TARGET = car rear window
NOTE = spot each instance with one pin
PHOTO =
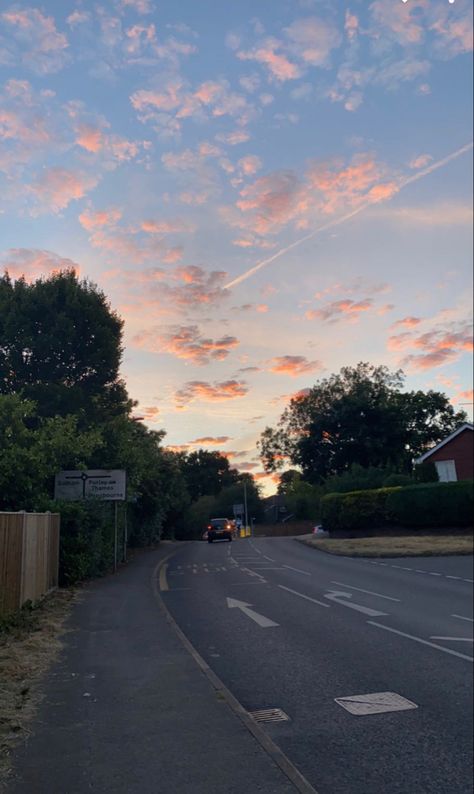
(219, 523)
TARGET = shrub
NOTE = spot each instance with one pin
(431, 505)
(394, 480)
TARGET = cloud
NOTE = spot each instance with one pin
(442, 344)
(32, 263)
(204, 391)
(77, 17)
(278, 65)
(249, 164)
(167, 226)
(56, 187)
(351, 25)
(293, 365)
(312, 39)
(211, 441)
(436, 215)
(337, 310)
(33, 40)
(245, 466)
(186, 342)
(406, 322)
(150, 413)
(233, 138)
(140, 6)
(91, 220)
(421, 161)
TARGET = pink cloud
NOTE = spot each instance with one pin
(336, 310)
(211, 441)
(421, 161)
(97, 220)
(34, 41)
(440, 345)
(90, 138)
(277, 64)
(140, 6)
(204, 391)
(351, 25)
(32, 263)
(233, 138)
(312, 39)
(401, 21)
(250, 164)
(186, 342)
(57, 187)
(293, 365)
(407, 322)
(166, 226)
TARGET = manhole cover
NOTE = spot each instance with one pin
(269, 715)
(376, 703)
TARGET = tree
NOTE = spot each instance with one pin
(61, 346)
(206, 473)
(362, 416)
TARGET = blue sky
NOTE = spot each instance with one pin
(166, 149)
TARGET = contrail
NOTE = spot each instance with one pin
(403, 183)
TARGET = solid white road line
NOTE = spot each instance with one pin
(261, 620)
(297, 570)
(336, 595)
(270, 559)
(420, 640)
(461, 617)
(452, 639)
(301, 595)
(369, 592)
(163, 580)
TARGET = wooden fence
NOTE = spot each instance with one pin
(29, 557)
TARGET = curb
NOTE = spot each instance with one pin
(278, 756)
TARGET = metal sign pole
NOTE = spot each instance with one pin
(115, 535)
(125, 532)
(245, 506)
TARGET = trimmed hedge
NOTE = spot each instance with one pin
(431, 505)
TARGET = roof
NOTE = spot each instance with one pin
(461, 429)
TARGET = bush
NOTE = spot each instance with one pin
(394, 480)
(432, 505)
(86, 541)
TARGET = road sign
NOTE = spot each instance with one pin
(102, 484)
(238, 510)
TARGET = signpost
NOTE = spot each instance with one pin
(105, 485)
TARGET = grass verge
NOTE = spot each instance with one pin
(29, 643)
(399, 546)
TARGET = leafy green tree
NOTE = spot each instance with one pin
(234, 494)
(286, 480)
(61, 346)
(34, 449)
(206, 473)
(360, 415)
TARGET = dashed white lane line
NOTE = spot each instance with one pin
(420, 640)
(270, 559)
(298, 570)
(369, 592)
(462, 617)
(421, 570)
(452, 639)
(453, 577)
(302, 595)
(434, 573)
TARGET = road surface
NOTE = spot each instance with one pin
(287, 627)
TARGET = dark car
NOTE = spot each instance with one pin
(219, 529)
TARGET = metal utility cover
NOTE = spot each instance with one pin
(269, 715)
(376, 703)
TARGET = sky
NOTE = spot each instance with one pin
(266, 192)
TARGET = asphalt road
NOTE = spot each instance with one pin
(303, 628)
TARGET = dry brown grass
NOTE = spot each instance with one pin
(29, 644)
(401, 546)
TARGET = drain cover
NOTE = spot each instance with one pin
(269, 715)
(376, 703)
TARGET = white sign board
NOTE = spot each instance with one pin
(238, 510)
(105, 485)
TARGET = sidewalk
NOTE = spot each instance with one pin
(127, 709)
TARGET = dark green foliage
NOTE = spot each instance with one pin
(87, 540)
(359, 416)
(206, 473)
(358, 478)
(60, 345)
(430, 506)
(397, 479)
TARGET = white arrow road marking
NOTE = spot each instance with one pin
(369, 592)
(452, 639)
(335, 595)
(262, 621)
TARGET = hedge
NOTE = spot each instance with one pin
(430, 505)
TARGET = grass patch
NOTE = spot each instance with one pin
(29, 643)
(400, 546)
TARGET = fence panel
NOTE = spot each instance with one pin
(29, 557)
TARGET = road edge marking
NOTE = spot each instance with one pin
(266, 743)
(163, 580)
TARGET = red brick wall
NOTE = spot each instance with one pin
(461, 450)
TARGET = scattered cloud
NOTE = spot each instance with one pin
(186, 342)
(33, 40)
(55, 188)
(293, 365)
(337, 310)
(441, 344)
(211, 441)
(204, 391)
(31, 263)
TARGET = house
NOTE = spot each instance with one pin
(453, 457)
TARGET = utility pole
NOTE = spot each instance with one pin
(245, 505)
